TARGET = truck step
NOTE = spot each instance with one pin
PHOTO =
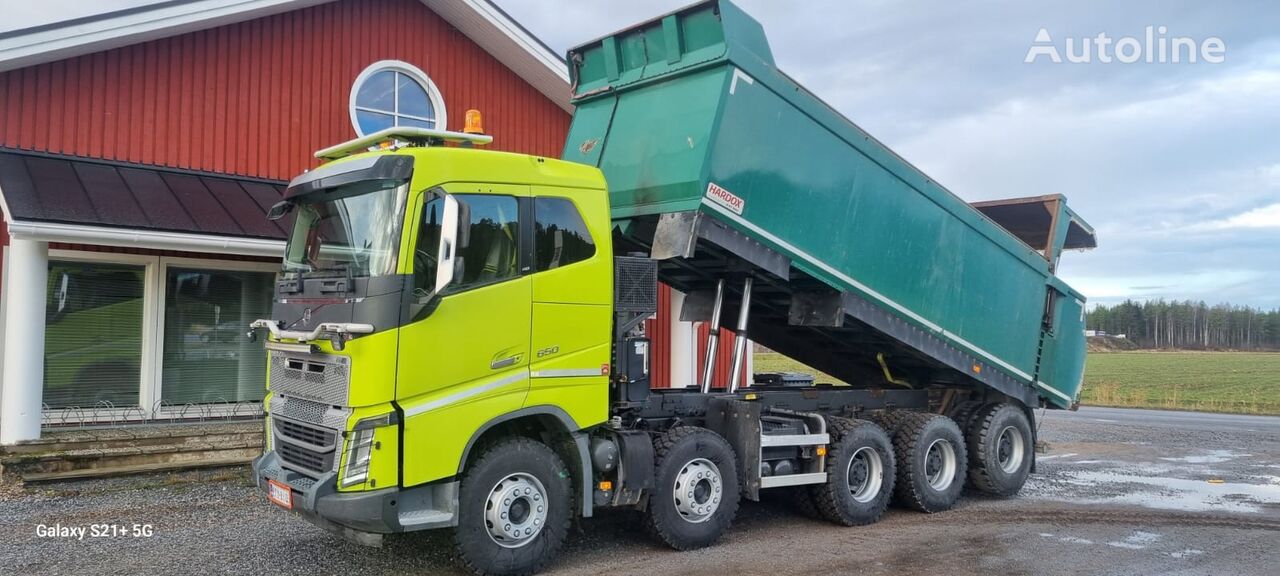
(793, 479)
(767, 441)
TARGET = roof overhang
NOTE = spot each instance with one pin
(54, 198)
(481, 21)
(144, 239)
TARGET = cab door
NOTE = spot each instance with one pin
(572, 303)
(464, 356)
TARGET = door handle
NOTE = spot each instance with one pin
(504, 362)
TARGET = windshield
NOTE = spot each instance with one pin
(353, 229)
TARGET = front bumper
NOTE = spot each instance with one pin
(362, 516)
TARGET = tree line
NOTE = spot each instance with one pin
(1187, 324)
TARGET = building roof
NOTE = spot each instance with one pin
(64, 198)
(480, 20)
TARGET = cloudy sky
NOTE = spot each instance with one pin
(1177, 166)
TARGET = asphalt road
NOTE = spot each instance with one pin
(1120, 492)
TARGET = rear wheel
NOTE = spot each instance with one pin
(695, 496)
(932, 462)
(860, 474)
(1000, 442)
(513, 508)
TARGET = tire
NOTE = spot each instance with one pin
(534, 470)
(860, 473)
(889, 420)
(932, 462)
(692, 459)
(1001, 448)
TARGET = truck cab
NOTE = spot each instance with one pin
(429, 294)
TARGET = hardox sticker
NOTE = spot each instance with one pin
(725, 198)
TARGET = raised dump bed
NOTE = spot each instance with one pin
(865, 267)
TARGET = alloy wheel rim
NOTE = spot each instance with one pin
(697, 490)
(1010, 447)
(866, 474)
(940, 464)
(516, 510)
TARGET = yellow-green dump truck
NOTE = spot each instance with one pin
(456, 340)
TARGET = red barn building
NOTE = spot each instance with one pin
(140, 149)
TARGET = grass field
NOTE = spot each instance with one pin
(1241, 382)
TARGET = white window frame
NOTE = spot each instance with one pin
(91, 414)
(158, 369)
(441, 121)
(156, 270)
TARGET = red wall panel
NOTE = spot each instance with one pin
(659, 330)
(257, 98)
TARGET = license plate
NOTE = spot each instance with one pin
(280, 494)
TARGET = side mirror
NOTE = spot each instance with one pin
(447, 256)
(280, 209)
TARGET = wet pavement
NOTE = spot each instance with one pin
(1120, 492)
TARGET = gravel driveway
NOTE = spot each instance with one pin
(1121, 492)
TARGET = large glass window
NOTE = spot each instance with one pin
(493, 251)
(207, 355)
(352, 229)
(93, 335)
(561, 237)
(392, 93)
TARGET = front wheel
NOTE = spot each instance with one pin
(513, 508)
(695, 496)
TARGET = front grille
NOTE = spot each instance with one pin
(307, 434)
(305, 460)
(308, 449)
(317, 377)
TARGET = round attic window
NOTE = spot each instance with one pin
(392, 93)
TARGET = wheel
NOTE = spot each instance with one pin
(695, 496)
(1000, 442)
(860, 473)
(513, 508)
(932, 462)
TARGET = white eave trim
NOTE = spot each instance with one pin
(499, 35)
(132, 26)
(146, 239)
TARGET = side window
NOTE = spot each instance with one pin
(561, 237)
(493, 252)
(427, 249)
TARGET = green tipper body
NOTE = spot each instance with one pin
(687, 113)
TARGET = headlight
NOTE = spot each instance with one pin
(359, 448)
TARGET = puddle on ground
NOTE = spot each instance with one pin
(1172, 493)
(1137, 540)
(1211, 457)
